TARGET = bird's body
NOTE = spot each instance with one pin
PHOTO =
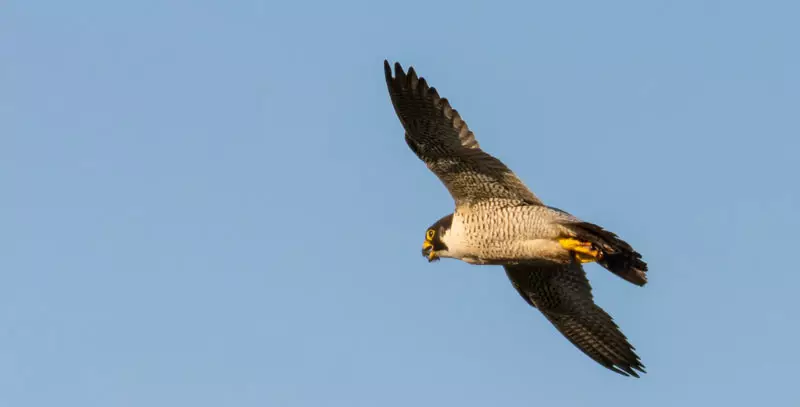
(488, 234)
(498, 221)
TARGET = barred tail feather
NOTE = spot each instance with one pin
(617, 256)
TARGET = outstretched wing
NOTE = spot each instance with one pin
(563, 294)
(438, 136)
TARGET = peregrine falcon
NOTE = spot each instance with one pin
(498, 221)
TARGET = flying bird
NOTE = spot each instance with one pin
(498, 221)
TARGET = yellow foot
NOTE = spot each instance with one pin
(584, 251)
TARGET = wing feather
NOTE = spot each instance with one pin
(438, 135)
(563, 294)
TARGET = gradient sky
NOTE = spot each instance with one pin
(210, 203)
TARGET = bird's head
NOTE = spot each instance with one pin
(434, 245)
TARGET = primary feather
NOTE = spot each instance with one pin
(436, 133)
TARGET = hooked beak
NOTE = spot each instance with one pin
(427, 251)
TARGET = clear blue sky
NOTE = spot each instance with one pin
(210, 203)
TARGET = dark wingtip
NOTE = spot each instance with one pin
(387, 71)
(398, 70)
(399, 74)
(405, 79)
(628, 370)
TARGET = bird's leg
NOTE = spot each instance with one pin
(584, 251)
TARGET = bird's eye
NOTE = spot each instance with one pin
(429, 235)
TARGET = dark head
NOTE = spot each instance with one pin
(434, 247)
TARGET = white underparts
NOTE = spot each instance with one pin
(493, 241)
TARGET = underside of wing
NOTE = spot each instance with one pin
(436, 133)
(563, 294)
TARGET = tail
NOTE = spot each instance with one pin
(615, 255)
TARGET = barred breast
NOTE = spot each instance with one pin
(497, 235)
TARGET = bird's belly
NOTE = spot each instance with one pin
(504, 236)
(547, 249)
(510, 252)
